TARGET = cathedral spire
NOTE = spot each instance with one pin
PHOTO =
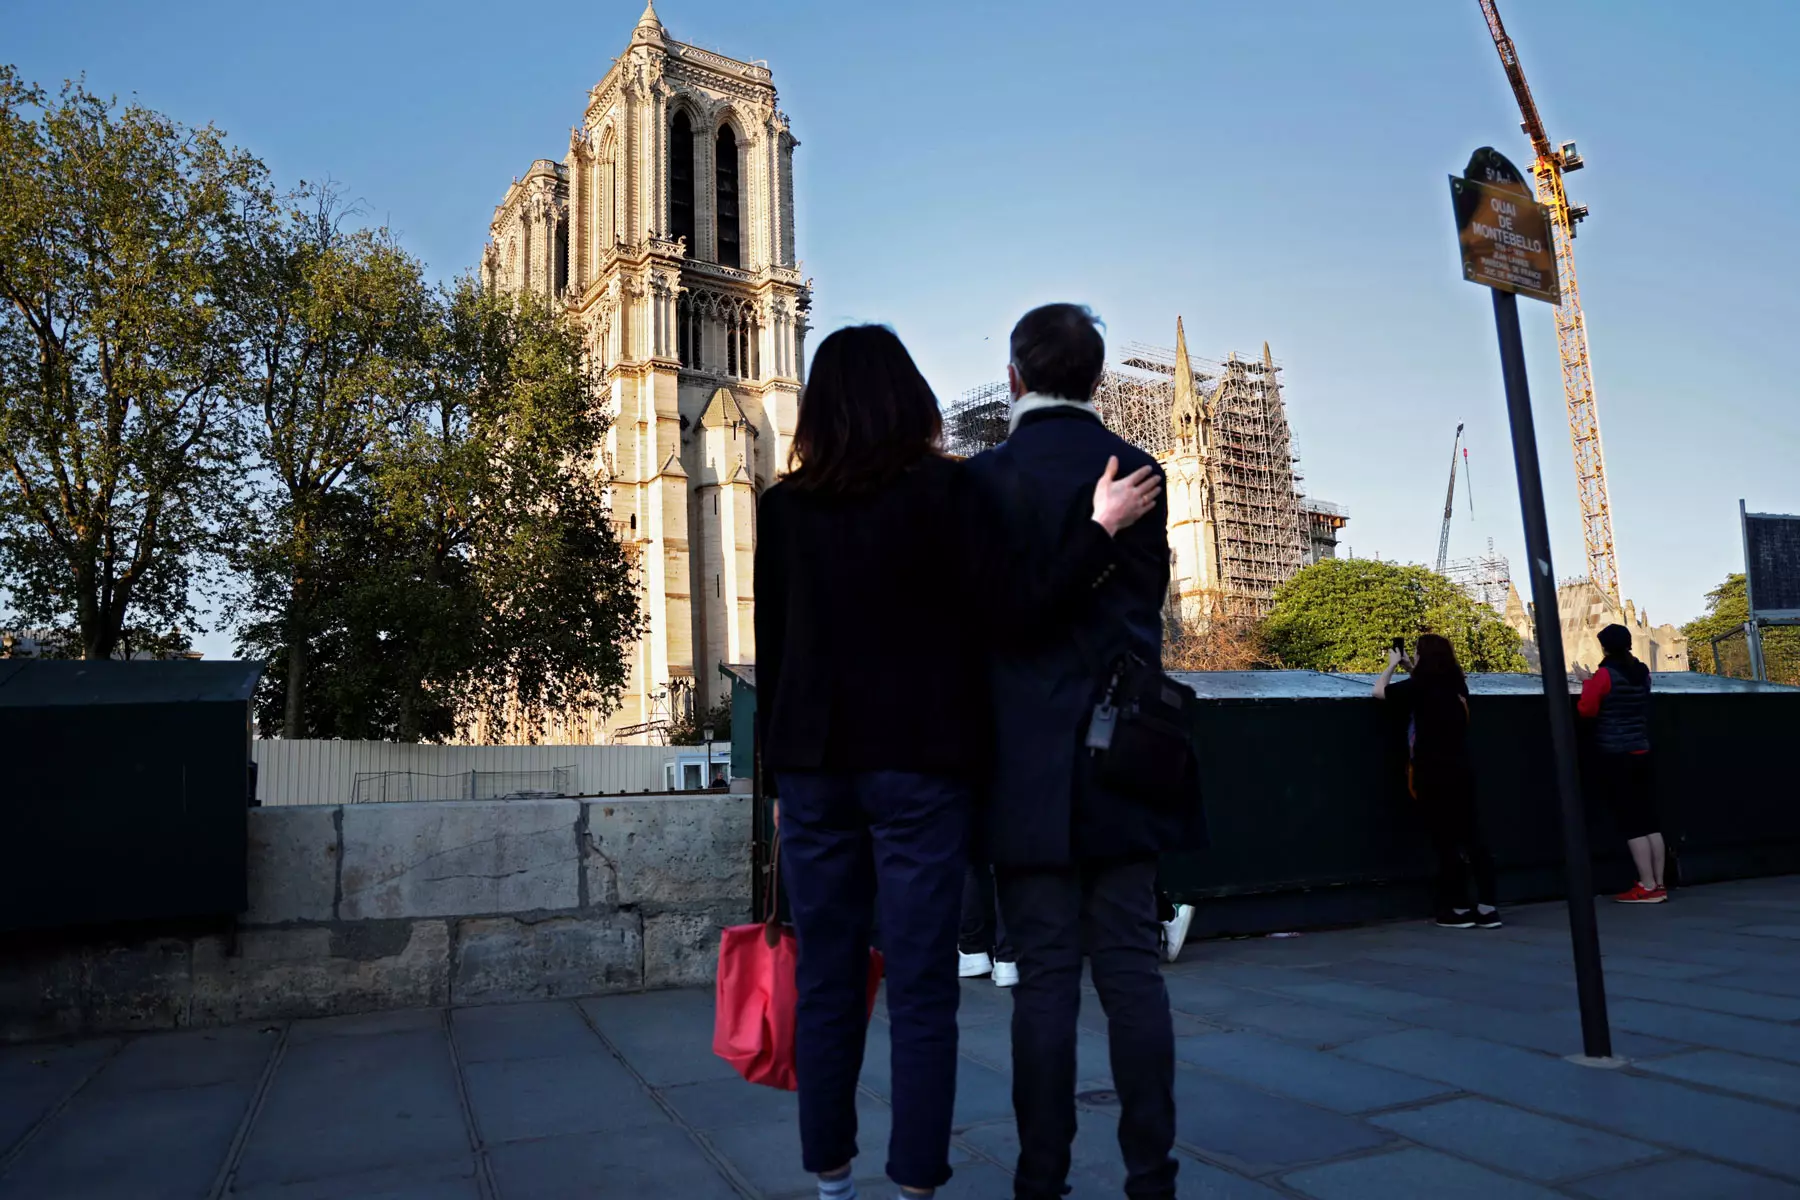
(1185, 414)
(649, 28)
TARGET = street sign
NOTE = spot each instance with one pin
(1503, 232)
(1506, 246)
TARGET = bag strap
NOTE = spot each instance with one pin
(772, 927)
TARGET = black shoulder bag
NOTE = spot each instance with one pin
(1141, 736)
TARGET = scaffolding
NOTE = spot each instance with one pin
(1262, 532)
(1135, 404)
(1485, 579)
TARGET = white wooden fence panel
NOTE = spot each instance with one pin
(310, 771)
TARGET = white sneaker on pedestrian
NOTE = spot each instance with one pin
(973, 966)
(1175, 931)
(1006, 974)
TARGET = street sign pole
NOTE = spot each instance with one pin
(1507, 246)
(1590, 983)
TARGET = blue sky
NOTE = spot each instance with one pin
(1267, 171)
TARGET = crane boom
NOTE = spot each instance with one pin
(1571, 325)
(1449, 505)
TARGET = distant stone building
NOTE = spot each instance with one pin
(1322, 520)
(668, 230)
(1584, 610)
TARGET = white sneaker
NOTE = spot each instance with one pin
(973, 966)
(1006, 974)
(1175, 931)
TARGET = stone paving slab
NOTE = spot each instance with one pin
(1685, 1179)
(1390, 1061)
(1411, 1172)
(1495, 1135)
(1326, 1080)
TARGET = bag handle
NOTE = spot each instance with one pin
(772, 927)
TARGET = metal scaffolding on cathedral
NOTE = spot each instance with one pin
(1239, 524)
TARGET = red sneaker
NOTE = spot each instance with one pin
(1639, 894)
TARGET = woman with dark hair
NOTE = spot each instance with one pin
(1617, 699)
(1434, 698)
(879, 592)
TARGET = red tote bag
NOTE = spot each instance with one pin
(753, 1024)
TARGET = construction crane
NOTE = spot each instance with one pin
(1449, 505)
(1571, 326)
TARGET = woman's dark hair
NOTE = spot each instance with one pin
(1437, 660)
(1615, 640)
(866, 414)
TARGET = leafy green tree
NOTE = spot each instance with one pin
(1727, 608)
(118, 435)
(474, 566)
(1343, 614)
(333, 322)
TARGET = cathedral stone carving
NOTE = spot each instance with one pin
(700, 358)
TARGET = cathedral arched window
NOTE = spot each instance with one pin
(608, 191)
(725, 192)
(681, 179)
(684, 331)
(562, 258)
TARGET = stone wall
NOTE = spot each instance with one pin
(374, 906)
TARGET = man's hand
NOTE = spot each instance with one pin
(1120, 502)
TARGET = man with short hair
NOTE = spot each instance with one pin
(1075, 863)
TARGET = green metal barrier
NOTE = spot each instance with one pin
(1303, 775)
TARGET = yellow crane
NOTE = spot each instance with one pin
(1571, 326)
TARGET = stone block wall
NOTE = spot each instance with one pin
(362, 907)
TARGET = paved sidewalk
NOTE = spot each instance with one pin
(1392, 1062)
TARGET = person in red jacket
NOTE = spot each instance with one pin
(1617, 699)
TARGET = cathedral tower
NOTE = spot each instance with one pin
(1188, 471)
(668, 231)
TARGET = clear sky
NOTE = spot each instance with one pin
(1267, 171)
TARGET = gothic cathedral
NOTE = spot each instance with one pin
(668, 231)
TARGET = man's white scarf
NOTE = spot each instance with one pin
(1033, 401)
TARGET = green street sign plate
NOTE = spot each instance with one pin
(1505, 238)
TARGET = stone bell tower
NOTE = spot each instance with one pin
(668, 230)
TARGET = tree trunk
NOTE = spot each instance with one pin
(291, 726)
(98, 635)
(293, 712)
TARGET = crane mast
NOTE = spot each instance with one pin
(1571, 326)
(1449, 506)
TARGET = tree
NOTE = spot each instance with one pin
(332, 330)
(118, 459)
(1343, 614)
(1727, 609)
(475, 564)
(1225, 639)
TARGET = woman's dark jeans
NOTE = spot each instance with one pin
(850, 841)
